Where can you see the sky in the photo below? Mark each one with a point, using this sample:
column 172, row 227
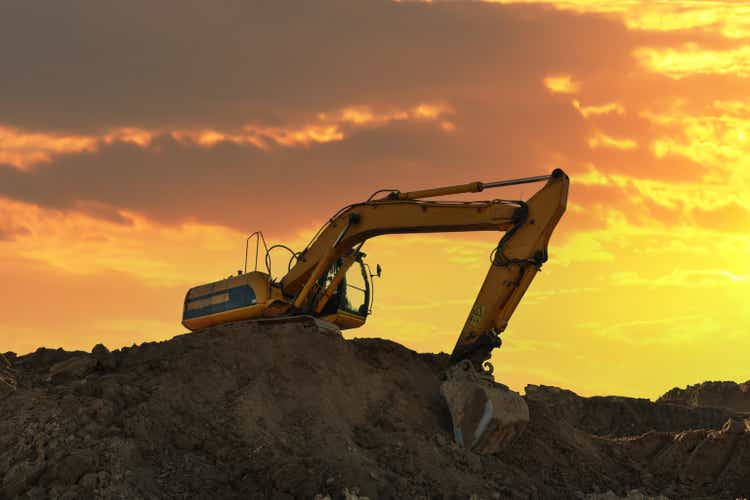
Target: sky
column 141, row 142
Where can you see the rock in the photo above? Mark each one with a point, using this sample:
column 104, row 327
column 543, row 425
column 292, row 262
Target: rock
column 36, row 493
column 89, row 481
column 72, row 493
column 353, row 494
column 102, row 410
column 21, row 477
column 733, row 426
column 103, row 356
column 441, row 440
column 72, row 467
column 77, row 367
column 728, row 395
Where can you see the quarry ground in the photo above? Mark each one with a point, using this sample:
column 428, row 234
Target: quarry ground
column 283, row 411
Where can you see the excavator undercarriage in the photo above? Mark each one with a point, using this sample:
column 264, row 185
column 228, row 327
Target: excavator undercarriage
column 319, row 283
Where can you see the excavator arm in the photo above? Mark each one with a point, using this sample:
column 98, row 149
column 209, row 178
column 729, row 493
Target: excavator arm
column 515, row 261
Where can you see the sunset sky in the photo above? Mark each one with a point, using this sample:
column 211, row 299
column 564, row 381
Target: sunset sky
column 140, row 142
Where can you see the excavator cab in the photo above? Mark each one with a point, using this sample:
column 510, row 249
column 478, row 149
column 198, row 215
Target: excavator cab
column 254, row 294
column 351, row 302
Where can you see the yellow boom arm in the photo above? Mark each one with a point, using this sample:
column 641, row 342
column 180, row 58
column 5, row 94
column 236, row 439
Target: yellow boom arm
column 516, row 260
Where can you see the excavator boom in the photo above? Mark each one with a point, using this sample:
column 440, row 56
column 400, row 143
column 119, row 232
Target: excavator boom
column 360, row 222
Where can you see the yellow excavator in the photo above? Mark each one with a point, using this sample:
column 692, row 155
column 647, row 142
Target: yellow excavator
column 320, row 284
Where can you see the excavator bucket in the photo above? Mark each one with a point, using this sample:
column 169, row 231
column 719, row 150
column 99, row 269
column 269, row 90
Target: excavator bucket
column 486, row 415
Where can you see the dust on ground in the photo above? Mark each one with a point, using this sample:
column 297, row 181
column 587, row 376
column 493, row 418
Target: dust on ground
column 293, row 410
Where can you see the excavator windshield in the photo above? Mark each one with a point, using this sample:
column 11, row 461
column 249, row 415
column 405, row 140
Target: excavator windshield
column 353, row 294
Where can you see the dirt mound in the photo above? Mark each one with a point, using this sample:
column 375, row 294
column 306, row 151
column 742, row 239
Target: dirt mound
column 271, row 410
column 727, row 395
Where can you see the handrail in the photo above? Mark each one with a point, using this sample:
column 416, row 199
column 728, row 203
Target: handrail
column 259, row 238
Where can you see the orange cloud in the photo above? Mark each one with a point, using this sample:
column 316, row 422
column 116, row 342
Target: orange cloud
column 595, row 177
column 731, row 19
column 261, row 137
column 78, row 243
column 23, row 149
column 601, row 140
column 691, row 59
column 602, row 109
column 328, row 127
column 718, row 137
column 561, row 84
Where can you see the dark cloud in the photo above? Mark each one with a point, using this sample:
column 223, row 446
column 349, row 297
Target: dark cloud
column 243, row 186
column 92, row 64
column 192, row 64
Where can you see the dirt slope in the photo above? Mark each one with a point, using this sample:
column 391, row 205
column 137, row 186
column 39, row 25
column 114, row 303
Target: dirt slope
column 294, row 411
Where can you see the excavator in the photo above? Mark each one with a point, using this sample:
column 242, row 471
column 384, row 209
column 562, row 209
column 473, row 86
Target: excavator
column 485, row 415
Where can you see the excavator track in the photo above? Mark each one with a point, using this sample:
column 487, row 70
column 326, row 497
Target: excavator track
column 303, row 320
column 300, row 319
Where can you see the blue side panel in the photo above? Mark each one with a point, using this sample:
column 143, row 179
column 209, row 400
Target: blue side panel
column 240, row 296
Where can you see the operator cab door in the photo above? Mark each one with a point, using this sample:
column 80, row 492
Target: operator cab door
column 350, row 303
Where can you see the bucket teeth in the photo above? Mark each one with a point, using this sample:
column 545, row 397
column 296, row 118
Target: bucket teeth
column 486, row 416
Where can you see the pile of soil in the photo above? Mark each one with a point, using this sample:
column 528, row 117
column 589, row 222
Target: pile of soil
column 293, row 410
column 728, row 395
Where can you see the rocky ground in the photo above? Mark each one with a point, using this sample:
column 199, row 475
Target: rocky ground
column 728, row 395
column 282, row 411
